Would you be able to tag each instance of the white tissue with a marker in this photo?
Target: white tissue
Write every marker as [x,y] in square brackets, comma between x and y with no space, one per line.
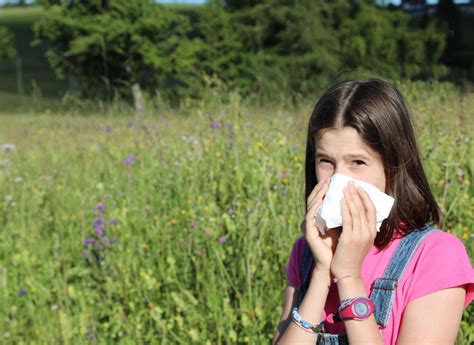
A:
[329,213]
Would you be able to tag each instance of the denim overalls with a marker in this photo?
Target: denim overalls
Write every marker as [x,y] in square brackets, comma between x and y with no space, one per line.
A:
[383,290]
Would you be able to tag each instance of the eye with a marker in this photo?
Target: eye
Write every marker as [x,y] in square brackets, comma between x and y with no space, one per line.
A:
[358,162]
[323,160]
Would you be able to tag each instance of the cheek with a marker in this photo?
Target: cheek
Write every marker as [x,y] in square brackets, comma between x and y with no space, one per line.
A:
[324,171]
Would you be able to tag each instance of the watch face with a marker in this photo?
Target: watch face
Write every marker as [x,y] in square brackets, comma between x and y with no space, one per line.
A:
[361,308]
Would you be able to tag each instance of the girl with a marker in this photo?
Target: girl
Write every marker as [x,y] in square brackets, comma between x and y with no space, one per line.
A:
[408,283]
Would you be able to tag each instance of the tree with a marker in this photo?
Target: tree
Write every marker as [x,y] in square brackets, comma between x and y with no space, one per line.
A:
[117,46]
[7,47]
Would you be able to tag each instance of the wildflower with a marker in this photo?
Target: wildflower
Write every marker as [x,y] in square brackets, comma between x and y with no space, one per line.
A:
[129,125]
[129,160]
[214,125]
[282,174]
[89,241]
[99,227]
[108,129]
[192,225]
[223,239]
[249,125]
[283,191]
[101,208]
[21,292]
[8,147]
[447,181]
[114,222]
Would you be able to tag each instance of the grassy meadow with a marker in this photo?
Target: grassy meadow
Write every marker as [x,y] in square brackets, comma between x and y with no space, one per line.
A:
[175,228]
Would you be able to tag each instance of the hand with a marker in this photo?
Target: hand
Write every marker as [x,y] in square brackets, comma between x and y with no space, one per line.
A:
[322,246]
[358,232]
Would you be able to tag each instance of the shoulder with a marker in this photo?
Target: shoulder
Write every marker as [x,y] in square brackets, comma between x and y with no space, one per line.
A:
[440,262]
[442,243]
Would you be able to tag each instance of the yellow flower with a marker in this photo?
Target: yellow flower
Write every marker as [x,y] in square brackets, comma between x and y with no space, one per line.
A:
[260,145]
[145,246]
[440,182]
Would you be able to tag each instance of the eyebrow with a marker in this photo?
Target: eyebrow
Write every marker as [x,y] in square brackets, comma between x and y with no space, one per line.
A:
[349,156]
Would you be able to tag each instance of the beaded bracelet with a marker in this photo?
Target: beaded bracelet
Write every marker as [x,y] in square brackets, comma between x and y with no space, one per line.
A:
[306,325]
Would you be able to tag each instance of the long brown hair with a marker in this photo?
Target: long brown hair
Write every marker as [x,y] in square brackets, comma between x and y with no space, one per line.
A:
[377,111]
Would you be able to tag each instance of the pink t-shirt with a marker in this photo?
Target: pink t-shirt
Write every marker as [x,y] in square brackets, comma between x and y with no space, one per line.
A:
[440,262]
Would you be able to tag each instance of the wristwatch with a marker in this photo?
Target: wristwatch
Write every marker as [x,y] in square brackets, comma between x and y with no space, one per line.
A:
[358,308]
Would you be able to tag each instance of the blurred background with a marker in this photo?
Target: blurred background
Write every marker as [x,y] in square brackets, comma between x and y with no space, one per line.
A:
[110,50]
[152,158]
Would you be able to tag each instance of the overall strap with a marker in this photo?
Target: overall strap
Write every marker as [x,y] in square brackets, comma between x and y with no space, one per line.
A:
[383,291]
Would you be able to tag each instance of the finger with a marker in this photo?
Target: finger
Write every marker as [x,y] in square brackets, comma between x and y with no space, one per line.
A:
[370,209]
[346,218]
[352,209]
[317,188]
[318,198]
[358,206]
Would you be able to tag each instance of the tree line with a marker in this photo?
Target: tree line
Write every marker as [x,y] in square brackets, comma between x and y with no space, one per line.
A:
[122,48]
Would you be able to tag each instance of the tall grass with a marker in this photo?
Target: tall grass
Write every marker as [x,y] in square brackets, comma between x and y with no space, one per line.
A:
[177,227]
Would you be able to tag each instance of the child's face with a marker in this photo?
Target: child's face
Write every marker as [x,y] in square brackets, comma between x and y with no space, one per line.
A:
[343,151]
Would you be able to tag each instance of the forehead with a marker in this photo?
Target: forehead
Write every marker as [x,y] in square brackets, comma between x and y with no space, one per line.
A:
[345,139]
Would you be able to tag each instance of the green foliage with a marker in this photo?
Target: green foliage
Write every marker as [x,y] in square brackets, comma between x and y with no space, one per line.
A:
[111,45]
[7,44]
[274,49]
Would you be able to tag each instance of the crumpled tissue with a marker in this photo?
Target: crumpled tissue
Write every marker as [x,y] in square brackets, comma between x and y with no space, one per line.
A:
[329,213]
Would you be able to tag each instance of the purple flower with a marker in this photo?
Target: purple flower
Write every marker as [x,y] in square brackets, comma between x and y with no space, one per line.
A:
[283,191]
[129,125]
[108,129]
[106,240]
[8,147]
[99,227]
[129,160]
[249,125]
[21,292]
[282,174]
[214,125]
[114,222]
[192,225]
[447,181]
[222,239]
[89,241]
[101,208]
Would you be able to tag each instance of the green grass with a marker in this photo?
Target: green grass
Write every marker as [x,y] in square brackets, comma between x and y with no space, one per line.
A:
[167,278]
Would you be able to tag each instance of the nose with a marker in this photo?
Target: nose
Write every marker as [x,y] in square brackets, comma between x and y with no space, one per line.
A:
[343,170]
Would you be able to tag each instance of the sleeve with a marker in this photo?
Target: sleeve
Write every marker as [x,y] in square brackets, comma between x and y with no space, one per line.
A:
[443,263]
[293,268]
